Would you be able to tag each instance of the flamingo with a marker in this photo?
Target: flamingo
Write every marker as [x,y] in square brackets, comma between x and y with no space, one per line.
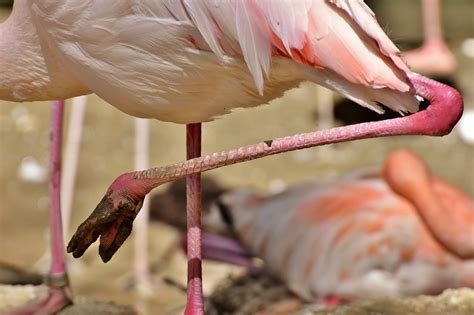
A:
[434,56]
[192,60]
[365,235]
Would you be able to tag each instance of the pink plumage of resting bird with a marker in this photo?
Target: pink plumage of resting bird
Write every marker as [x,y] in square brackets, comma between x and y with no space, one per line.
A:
[361,236]
[189,61]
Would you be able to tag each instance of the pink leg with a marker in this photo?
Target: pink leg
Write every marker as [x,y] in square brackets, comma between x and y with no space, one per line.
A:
[434,56]
[59,280]
[194,233]
[113,217]
[60,292]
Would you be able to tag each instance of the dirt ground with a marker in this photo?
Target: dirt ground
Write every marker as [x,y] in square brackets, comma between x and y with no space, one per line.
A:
[107,151]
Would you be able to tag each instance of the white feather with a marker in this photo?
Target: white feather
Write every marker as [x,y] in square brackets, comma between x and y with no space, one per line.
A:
[206,25]
[254,41]
[181,61]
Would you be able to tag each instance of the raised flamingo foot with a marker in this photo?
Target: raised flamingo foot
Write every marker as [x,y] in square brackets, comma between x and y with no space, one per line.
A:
[112,220]
[433,58]
[59,297]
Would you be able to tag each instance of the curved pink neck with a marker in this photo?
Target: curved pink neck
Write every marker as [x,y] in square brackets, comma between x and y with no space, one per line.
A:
[452,227]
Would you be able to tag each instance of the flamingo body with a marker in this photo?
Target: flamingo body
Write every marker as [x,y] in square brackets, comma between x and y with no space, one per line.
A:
[353,237]
[190,61]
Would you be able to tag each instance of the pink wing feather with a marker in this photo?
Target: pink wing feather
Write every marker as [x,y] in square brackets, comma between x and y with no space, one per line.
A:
[340,41]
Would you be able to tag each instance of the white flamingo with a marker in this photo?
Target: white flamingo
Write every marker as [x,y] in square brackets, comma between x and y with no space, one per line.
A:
[192,60]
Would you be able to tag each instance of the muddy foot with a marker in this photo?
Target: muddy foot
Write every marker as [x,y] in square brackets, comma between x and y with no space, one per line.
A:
[112,220]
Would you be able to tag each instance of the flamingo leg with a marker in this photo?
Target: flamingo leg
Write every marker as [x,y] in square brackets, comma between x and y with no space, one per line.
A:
[434,56]
[60,293]
[195,303]
[113,217]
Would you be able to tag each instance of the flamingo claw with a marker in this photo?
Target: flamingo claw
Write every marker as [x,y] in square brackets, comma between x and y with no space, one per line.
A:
[111,220]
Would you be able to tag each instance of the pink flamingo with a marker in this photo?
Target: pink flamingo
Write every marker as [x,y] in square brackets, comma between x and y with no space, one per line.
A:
[434,56]
[366,235]
[190,61]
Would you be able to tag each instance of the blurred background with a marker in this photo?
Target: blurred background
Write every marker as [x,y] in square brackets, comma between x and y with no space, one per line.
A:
[107,151]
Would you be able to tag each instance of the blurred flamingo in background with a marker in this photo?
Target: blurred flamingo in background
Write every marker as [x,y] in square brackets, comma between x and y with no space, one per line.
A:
[190,61]
[434,57]
[366,235]
[141,268]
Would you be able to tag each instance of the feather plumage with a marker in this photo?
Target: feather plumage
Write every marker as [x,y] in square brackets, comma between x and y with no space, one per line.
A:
[353,237]
[155,56]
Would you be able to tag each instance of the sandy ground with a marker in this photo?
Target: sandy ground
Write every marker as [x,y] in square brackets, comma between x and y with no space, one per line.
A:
[107,151]
[265,296]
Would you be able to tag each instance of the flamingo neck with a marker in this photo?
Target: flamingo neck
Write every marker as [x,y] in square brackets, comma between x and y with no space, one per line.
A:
[28,69]
[410,178]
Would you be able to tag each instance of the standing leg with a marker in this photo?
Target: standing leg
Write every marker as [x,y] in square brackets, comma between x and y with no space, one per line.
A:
[59,290]
[69,167]
[434,56]
[140,265]
[193,209]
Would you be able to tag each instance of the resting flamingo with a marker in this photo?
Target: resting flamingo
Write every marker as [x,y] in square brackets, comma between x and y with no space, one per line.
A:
[434,56]
[192,60]
[366,235]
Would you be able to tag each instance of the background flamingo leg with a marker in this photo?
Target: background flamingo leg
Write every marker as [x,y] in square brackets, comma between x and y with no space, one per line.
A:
[141,268]
[434,56]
